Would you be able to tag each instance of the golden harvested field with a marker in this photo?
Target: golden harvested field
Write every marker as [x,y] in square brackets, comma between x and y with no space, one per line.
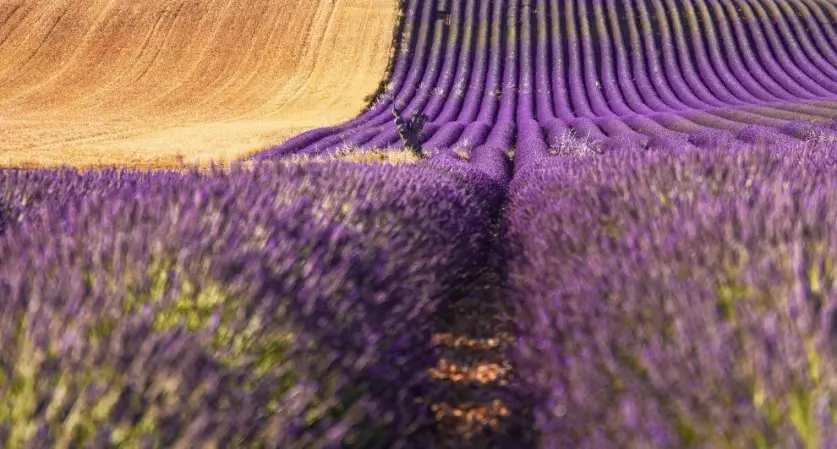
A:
[164,82]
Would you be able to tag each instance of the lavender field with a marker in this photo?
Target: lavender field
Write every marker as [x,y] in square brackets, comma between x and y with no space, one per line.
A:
[650,74]
[619,235]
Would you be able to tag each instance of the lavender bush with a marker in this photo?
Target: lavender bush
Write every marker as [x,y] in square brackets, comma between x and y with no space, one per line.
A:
[679,299]
[279,306]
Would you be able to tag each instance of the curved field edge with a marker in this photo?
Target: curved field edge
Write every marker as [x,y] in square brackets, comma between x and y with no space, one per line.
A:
[167,82]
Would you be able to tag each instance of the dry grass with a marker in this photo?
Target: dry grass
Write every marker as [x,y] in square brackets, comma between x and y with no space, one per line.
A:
[163,83]
[396,157]
[571,144]
[378,156]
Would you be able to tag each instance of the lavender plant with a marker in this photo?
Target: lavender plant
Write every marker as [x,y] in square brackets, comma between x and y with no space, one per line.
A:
[264,307]
[678,299]
[410,130]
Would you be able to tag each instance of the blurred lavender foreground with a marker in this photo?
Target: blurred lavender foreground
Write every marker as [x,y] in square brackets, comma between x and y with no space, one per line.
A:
[678,299]
[283,306]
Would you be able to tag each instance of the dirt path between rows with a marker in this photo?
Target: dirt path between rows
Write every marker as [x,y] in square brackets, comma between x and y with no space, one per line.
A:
[473,399]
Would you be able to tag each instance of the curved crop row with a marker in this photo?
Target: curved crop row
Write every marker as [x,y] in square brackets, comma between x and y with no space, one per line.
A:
[647,73]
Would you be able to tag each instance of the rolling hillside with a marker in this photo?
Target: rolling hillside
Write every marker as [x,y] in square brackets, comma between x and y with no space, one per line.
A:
[91,82]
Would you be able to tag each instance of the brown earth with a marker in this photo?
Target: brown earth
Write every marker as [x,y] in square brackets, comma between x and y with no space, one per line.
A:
[472,395]
[168,82]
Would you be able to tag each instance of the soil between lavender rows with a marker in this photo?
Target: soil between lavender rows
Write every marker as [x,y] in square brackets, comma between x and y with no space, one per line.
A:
[472,395]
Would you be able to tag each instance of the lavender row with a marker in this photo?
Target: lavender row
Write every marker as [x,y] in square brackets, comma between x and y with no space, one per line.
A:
[608,70]
[280,306]
[677,298]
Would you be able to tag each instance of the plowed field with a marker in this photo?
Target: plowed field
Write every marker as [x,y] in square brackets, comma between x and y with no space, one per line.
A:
[92,82]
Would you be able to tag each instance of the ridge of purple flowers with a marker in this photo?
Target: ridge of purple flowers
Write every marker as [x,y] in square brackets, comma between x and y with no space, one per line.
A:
[520,73]
[279,306]
[678,299]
